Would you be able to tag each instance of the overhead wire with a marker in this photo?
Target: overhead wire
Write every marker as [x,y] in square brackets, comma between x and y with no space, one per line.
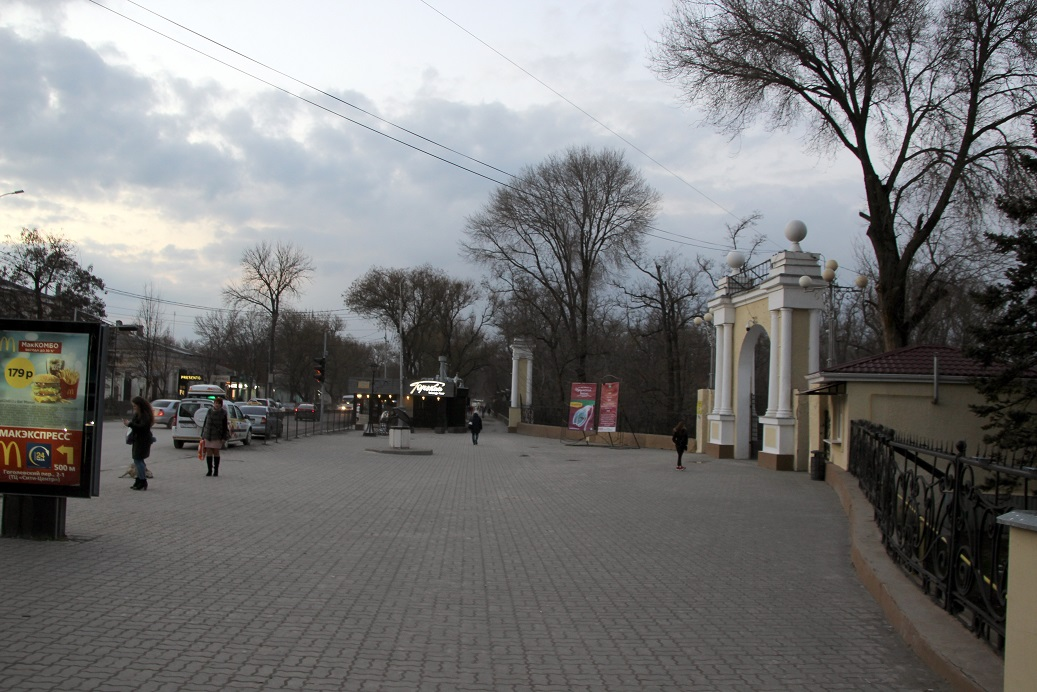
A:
[704,245]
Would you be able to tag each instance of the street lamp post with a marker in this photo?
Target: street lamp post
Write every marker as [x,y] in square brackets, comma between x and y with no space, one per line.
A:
[370,430]
[828,276]
[16,192]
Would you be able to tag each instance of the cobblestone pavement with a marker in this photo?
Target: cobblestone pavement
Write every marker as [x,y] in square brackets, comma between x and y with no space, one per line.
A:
[517,564]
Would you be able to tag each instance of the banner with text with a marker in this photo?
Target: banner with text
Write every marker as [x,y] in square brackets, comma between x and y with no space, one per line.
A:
[608,409]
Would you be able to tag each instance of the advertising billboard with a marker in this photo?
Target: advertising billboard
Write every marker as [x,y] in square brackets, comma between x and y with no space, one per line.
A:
[51,407]
[582,397]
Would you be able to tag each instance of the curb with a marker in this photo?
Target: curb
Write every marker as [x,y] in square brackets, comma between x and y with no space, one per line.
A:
[939,639]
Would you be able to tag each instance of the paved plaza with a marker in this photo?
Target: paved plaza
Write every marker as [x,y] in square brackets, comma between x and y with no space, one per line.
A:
[518,564]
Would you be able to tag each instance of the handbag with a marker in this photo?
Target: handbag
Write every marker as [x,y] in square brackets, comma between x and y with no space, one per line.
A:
[201,449]
[129,436]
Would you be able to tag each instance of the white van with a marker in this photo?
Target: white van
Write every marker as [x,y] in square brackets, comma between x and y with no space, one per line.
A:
[193,409]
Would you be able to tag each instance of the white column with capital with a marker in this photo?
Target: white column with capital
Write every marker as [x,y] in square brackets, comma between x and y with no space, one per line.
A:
[772,392]
[785,375]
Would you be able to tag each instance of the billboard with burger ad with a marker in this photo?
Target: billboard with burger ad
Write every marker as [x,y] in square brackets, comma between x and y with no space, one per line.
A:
[50,396]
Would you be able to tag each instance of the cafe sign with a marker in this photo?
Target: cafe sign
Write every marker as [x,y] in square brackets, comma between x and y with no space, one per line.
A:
[431,388]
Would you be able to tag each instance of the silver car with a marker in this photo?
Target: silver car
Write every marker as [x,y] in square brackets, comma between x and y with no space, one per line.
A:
[165,411]
[264,418]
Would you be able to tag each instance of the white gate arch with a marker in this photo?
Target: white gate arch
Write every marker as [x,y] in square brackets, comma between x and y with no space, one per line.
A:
[766,298]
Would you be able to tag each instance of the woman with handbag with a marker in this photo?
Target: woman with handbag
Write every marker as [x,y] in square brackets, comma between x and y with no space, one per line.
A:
[140,438]
[215,433]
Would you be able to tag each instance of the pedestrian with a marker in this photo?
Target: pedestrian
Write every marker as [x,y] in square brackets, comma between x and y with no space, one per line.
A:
[680,441]
[215,433]
[140,430]
[475,425]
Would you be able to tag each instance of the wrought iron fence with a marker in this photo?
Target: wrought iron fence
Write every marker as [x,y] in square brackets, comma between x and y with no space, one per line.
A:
[937,511]
[749,277]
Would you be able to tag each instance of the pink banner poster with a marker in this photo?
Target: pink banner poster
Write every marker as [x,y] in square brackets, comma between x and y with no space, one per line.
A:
[583,396]
[608,410]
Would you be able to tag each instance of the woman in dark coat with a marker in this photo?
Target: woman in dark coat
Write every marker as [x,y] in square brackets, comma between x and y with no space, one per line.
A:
[475,425]
[680,441]
[215,433]
[140,425]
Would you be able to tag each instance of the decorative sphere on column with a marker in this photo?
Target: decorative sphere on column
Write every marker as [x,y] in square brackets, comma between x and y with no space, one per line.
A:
[795,231]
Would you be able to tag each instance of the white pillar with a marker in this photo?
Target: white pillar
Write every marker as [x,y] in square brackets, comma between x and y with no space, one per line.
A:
[727,336]
[529,381]
[772,388]
[516,360]
[814,342]
[785,376]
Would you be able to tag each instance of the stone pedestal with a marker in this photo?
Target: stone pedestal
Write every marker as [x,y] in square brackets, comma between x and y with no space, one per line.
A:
[399,438]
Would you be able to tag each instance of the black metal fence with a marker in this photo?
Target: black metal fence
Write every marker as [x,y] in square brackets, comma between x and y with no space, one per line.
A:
[937,510]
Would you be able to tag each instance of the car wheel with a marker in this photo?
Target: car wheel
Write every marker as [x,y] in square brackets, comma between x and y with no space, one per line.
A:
[179,444]
[248,439]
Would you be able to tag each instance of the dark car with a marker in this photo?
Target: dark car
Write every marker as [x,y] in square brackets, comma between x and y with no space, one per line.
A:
[165,411]
[305,412]
[264,419]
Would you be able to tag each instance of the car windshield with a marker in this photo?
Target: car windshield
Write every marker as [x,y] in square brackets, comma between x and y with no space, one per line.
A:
[189,408]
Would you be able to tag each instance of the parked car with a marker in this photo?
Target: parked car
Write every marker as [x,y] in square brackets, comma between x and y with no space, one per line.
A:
[305,412]
[271,403]
[266,421]
[191,414]
[165,411]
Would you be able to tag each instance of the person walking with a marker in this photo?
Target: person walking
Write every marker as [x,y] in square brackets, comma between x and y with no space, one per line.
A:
[140,429]
[215,433]
[475,425]
[680,441]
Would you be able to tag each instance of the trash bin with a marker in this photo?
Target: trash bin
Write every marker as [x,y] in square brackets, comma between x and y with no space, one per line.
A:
[817,465]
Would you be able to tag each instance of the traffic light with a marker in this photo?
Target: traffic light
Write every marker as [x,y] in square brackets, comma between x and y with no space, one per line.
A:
[318,369]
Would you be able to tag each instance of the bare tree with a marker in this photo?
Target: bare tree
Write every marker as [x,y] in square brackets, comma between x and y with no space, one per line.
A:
[663,305]
[927,95]
[270,275]
[429,311]
[153,341]
[49,281]
[550,237]
[214,329]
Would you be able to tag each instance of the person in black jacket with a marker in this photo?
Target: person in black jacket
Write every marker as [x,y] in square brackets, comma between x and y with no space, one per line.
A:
[215,432]
[680,441]
[475,425]
[140,426]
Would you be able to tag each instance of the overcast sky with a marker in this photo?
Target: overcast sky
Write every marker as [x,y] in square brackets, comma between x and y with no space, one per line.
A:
[163,164]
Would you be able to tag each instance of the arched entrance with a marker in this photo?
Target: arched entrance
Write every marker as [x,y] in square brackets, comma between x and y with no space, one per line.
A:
[752,302]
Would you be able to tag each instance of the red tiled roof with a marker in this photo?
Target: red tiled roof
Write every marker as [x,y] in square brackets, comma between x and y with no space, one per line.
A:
[913,360]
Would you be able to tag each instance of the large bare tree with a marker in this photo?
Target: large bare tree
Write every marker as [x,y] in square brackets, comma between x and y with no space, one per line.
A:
[663,303]
[270,276]
[550,236]
[432,314]
[50,282]
[927,95]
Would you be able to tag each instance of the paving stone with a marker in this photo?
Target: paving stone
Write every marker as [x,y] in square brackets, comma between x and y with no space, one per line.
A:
[519,564]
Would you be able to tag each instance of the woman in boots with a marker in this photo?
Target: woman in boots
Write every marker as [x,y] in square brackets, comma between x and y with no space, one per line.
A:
[215,433]
[140,424]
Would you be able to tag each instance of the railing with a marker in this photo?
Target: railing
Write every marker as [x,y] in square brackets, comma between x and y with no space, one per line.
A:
[937,511]
[749,278]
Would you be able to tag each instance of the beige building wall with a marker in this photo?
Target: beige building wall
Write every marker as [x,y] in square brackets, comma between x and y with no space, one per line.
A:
[907,407]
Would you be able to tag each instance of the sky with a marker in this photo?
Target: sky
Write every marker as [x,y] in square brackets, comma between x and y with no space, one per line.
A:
[166,137]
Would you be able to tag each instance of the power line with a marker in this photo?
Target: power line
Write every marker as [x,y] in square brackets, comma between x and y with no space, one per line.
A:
[704,245]
[303,98]
[581,110]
